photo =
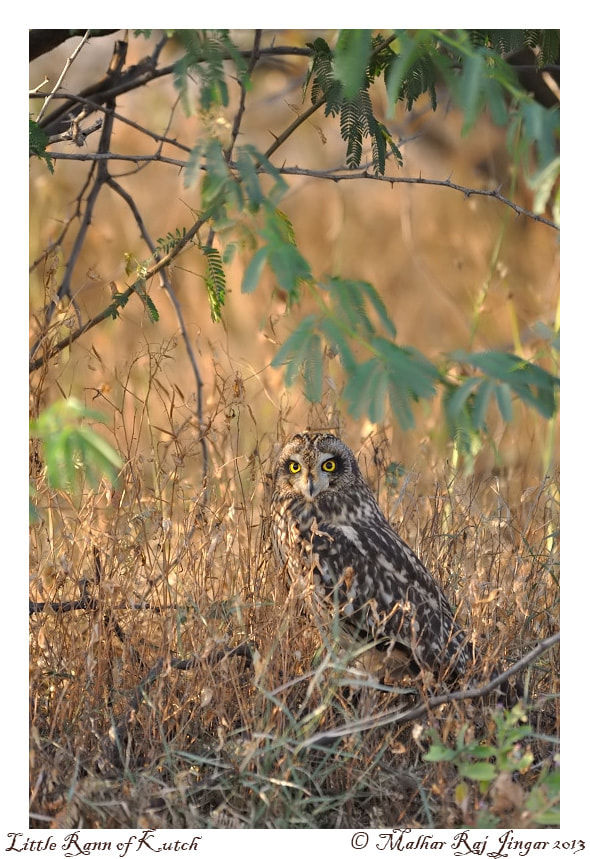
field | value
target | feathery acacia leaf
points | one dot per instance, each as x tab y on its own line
38	142
215	282
343	78
293	353
205	54
351	60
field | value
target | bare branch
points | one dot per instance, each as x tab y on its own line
64	72
43	41
121	300
242	105
340	174
344	174
76	134
167	285
399	717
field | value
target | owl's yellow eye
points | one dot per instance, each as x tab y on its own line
329	465
294	467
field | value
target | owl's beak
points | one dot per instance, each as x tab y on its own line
310	489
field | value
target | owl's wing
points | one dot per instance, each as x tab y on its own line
382	589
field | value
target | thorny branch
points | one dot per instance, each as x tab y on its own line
338	174
60	79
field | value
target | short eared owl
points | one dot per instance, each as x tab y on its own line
328	525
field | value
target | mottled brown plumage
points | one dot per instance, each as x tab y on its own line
328	528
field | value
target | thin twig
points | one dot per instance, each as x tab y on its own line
396	717
340	174
159	138
102	175
344	174
112	84
242	105
65	70
122	298
77	134
167	285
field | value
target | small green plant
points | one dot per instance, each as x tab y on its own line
69	447
491	766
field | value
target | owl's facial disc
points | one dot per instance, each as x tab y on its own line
311	480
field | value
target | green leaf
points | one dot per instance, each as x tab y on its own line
313	369
412	72
358	390
531	383
343	80
151	309
254	270
336	339
56	459
456	401
192	171
205	55
471	88
477	771
378	305
246	169
293	352
68	444
351	58
351	300
280	185
504	400
400	375
289	266
97	456
541	128
439	753
38	142
215	282
543	183
219	188
348	299
481	402
550	818
482	751
408	368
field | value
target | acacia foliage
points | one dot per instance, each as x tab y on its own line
241	211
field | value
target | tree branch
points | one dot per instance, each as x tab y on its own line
400	717
43	41
167	285
120	300
64	72
338	174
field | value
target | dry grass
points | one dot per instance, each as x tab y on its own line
144	715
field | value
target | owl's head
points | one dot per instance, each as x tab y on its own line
315	463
